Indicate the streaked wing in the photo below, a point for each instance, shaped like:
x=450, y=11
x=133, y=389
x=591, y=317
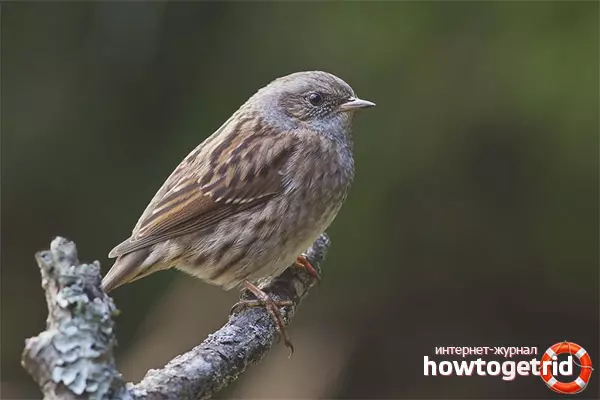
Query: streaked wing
x=217, y=180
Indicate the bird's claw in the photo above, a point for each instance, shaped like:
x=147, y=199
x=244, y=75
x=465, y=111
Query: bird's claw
x=302, y=262
x=272, y=307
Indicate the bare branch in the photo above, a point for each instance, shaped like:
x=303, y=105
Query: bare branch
x=73, y=357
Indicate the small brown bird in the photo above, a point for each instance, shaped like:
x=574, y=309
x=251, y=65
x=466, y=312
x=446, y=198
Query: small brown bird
x=246, y=202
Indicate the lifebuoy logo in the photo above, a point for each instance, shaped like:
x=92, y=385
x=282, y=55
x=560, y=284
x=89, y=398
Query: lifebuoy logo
x=550, y=359
x=556, y=374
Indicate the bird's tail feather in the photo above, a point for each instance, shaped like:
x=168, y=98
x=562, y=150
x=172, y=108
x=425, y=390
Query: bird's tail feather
x=127, y=268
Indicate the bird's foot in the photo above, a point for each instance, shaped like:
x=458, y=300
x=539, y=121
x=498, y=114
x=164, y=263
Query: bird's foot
x=302, y=262
x=272, y=307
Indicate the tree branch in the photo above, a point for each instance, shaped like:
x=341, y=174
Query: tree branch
x=73, y=357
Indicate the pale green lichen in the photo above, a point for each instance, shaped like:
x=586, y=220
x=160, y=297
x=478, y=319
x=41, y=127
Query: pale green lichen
x=77, y=347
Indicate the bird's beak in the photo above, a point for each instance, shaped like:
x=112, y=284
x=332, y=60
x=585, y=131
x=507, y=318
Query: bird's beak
x=354, y=103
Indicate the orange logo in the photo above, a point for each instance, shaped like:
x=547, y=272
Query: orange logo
x=548, y=367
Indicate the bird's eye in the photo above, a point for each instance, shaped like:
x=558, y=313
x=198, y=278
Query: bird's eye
x=315, y=98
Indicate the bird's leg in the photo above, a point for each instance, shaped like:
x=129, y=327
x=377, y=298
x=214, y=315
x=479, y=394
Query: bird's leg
x=302, y=262
x=272, y=307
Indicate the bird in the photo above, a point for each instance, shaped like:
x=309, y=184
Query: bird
x=247, y=201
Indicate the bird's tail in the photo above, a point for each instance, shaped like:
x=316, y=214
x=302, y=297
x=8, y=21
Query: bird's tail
x=127, y=268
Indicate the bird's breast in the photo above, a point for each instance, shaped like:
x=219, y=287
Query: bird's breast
x=317, y=182
x=321, y=166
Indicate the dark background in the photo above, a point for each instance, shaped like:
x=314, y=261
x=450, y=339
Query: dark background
x=474, y=215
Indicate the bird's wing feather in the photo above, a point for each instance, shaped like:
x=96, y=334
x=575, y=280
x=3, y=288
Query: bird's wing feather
x=214, y=182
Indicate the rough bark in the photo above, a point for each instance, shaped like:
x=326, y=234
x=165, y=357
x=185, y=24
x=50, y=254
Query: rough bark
x=73, y=357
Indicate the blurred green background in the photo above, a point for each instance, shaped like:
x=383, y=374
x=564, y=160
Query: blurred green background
x=474, y=215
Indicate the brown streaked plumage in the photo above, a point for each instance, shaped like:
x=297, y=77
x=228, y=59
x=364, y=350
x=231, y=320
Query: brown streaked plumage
x=255, y=194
